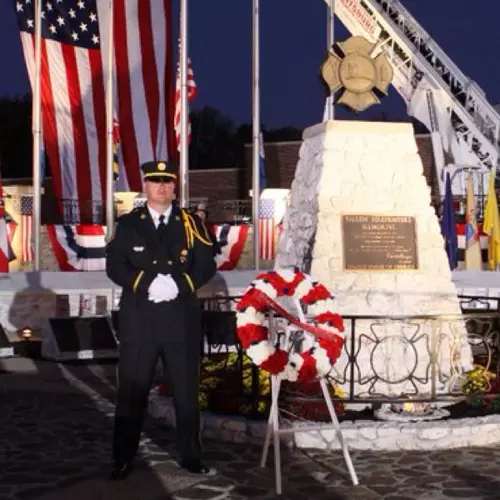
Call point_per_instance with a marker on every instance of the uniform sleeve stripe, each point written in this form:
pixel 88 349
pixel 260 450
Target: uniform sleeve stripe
pixel 190 281
pixel 137 280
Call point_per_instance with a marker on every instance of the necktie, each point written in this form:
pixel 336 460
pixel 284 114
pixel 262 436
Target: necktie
pixel 161 223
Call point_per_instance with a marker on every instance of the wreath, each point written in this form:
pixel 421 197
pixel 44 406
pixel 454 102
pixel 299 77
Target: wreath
pixel 325 325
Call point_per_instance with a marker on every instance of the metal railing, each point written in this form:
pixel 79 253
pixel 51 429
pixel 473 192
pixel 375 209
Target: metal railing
pixel 70 211
pixel 425 350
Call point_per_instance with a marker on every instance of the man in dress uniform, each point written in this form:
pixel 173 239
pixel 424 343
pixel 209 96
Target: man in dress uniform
pixel 160 255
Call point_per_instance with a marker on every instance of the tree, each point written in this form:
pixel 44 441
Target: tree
pixel 212 143
pixel 15 137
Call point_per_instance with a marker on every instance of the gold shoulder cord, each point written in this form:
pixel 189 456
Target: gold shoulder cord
pixel 192 231
pixel 187 229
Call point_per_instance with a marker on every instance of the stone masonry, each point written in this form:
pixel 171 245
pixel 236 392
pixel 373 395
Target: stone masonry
pixel 374 168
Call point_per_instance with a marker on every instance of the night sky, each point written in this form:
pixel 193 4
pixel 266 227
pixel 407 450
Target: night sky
pixel 293 34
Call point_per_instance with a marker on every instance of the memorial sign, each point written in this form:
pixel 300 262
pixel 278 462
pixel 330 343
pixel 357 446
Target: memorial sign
pixel 379 242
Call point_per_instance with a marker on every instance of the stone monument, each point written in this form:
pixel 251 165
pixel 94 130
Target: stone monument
pixel 360 219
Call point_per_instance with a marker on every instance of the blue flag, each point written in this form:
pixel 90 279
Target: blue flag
pixel 262 164
pixel 448 225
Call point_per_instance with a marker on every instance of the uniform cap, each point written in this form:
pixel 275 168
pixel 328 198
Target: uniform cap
pixel 159 170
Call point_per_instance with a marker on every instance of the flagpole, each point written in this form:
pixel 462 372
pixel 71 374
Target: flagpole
pixel 110 213
pixel 330 32
pixel 184 152
pixel 256 133
pixel 36 119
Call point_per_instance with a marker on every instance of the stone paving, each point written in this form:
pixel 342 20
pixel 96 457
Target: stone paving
pixel 55 431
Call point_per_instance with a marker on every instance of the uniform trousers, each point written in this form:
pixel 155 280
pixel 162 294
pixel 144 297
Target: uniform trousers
pixel 136 368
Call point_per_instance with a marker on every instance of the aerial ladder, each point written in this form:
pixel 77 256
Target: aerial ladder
pixel 453 107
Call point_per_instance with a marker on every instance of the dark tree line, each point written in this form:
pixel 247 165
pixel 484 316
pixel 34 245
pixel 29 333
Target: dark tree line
pixel 15 137
pixel 216 141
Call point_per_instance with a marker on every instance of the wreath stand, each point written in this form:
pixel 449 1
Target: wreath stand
pixel 273 428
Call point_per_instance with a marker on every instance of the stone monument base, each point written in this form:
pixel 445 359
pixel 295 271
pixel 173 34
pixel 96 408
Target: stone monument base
pixel 360 220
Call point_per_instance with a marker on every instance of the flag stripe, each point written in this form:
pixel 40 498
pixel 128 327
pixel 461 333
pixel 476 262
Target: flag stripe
pixel 169 96
pixel 57 94
pixel 88 125
pixel 137 88
pixel 78 248
pixel 50 128
pixel 149 69
pixel 232 241
pixel 125 115
pixel 161 47
pixel 4 247
pixel 80 164
pixel 98 97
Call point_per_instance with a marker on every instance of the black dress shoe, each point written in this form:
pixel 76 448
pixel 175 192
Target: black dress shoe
pixel 121 471
pixel 196 467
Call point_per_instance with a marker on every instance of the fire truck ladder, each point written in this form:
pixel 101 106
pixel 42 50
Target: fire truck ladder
pixel 451 105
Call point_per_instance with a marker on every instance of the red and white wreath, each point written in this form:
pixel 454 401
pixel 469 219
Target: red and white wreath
pixel 326 326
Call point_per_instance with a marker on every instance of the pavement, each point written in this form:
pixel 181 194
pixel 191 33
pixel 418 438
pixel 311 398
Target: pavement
pixel 55 434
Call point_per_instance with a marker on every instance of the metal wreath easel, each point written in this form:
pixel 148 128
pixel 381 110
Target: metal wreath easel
pixel 273 428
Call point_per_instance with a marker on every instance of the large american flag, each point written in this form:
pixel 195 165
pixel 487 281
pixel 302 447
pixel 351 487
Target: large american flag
pixel 74 40
pixel 27 254
pixel 144 80
pixel 192 91
pixel 267 229
pixel 72 92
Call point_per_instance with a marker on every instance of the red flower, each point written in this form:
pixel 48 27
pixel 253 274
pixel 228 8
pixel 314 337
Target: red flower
pixel 251 333
pixel 281 286
pixel 332 318
pixel 318 292
pixel 275 363
pixel 253 298
pixel 494 386
pixel 308 370
pixel 332 347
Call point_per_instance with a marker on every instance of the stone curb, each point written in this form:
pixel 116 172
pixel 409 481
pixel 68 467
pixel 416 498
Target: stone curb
pixel 388 436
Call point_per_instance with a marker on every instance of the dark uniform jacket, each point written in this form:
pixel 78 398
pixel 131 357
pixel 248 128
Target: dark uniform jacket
pixel 139 252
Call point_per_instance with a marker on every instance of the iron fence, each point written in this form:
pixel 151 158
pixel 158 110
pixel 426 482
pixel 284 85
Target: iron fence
pixel 385 359
pixel 71 211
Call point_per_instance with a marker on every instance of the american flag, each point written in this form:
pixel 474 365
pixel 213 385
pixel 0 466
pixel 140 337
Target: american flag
pixel 192 91
pixel 267 229
pixel 27 228
pixel 74 41
pixel 144 81
pixel 72 92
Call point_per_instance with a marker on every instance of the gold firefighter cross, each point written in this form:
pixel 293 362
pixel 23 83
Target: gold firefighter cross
pixel 358 73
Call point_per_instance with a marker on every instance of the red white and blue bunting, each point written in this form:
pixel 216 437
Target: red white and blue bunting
pixel 83 247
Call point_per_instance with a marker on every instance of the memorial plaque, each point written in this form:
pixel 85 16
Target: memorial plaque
pixel 379 242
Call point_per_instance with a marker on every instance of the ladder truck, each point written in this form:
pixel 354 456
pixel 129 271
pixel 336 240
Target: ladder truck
pixel 454 108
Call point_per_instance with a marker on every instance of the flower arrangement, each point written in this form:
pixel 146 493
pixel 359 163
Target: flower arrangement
pixel 305 400
pixel 477 381
pixel 226 388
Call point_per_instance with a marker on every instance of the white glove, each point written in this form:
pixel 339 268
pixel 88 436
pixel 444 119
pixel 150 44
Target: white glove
pixel 163 288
